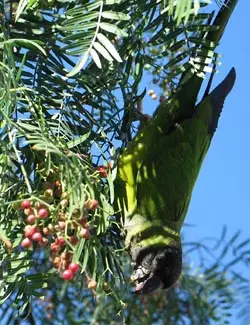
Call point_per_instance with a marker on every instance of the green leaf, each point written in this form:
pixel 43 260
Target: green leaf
pixel 196 6
pixel 112 2
pixel 113 29
pixel 20 8
pixel 115 15
pixel 26 43
pixel 96 58
pixel 101 49
pixel 109 46
pixel 5 294
pixel 80 64
pixel 75 142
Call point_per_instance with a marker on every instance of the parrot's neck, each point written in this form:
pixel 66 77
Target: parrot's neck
pixel 150 232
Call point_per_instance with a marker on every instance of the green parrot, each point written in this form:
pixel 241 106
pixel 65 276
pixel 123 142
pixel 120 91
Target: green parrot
pixel 157 172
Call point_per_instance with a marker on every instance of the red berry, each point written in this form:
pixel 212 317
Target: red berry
pixel 55 247
pixel 26 243
pixel 84 223
pixel 92 204
pixel 58 183
pixel 102 171
pixel 84 233
pixel 74 267
pixel 68 275
pixel 29 232
pixel 43 213
pixel 73 240
pixel 60 241
pixel 31 218
pixel 25 204
pixel 46 231
pixel 37 236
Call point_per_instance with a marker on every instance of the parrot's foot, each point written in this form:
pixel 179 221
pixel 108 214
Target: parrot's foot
pixel 155 268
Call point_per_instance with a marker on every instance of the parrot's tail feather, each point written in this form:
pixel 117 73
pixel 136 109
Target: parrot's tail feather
pixel 218 96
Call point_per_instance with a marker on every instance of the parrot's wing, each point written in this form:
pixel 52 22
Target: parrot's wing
pixel 167 175
pixel 165 182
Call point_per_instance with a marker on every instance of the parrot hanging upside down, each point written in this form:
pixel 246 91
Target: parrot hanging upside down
pixel 157 173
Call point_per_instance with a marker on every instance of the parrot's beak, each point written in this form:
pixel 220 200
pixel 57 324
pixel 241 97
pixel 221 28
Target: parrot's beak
pixel 155 268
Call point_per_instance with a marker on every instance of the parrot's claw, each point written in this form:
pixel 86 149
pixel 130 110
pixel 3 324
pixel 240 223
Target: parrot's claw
pixel 139 273
pixel 145 281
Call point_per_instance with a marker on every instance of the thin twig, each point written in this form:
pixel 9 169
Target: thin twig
pixel 20 163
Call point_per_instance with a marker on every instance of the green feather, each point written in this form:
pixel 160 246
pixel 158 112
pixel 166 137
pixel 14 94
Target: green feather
pixel 158 169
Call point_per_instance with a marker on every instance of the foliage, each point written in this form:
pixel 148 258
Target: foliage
pixel 70 91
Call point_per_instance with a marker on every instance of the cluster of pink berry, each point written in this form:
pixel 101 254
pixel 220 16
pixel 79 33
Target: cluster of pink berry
pixel 69 273
pixel 39 230
pixel 49 223
pixel 33 233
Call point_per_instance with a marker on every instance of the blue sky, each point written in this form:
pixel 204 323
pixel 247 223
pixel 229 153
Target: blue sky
pixel 222 192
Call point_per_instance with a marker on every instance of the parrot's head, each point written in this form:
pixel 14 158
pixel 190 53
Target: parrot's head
pixel 155 267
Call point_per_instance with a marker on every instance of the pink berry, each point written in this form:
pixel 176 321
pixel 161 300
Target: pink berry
pixel 92 204
pixel 43 213
pixel 68 275
pixel 84 233
pixel 62 224
pixel 26 243
pixel 58 183
pixel 55 247
pixel 102 170
pixel 25 204
pixel 31 218
pixel 45 241
pixel 74 267
pixel 29 232
pixel 46 231
pixel 84 223
pixel 37 236
pixel 73 240
pixel 60 241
